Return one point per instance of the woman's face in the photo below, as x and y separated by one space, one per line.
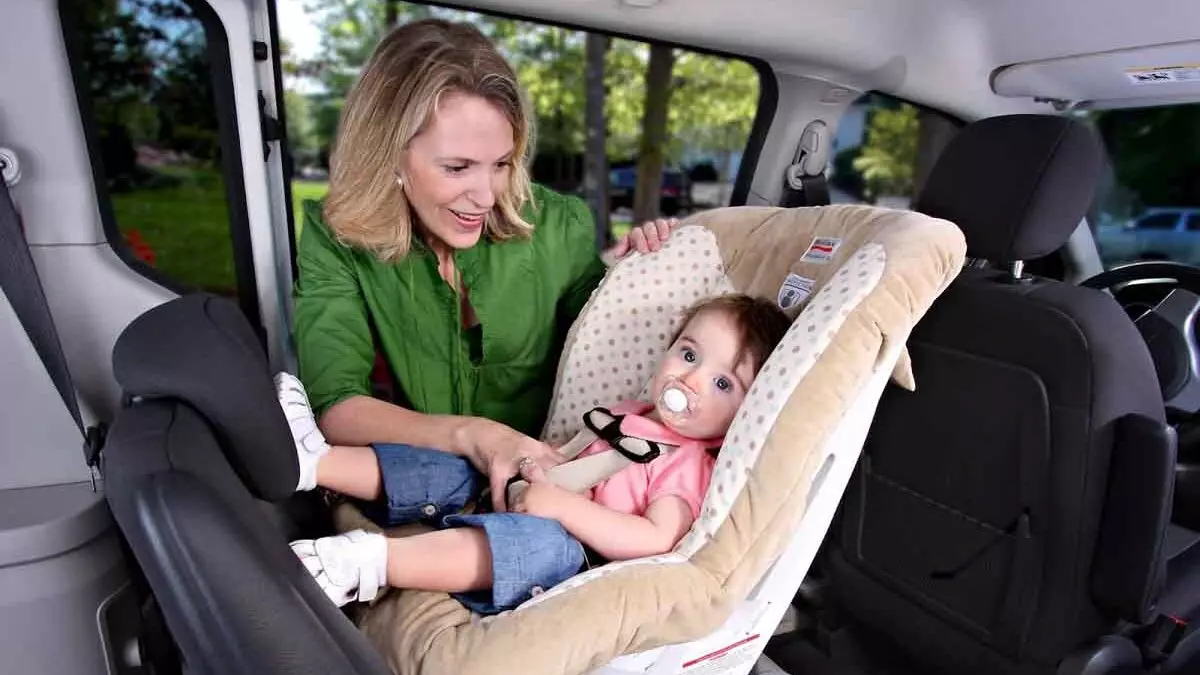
456 167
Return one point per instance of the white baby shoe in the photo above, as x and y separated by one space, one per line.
348 567
310 442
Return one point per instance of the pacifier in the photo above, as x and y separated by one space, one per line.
676 399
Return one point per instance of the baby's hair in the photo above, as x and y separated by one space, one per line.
761 324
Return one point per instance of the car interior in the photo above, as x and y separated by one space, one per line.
1031 507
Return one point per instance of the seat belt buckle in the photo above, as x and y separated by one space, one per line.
794 177
93 444
1165 634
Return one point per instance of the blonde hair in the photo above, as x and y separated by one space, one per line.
393 100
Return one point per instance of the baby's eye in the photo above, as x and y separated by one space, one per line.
724 384
689 355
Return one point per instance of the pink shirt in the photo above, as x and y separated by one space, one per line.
683 473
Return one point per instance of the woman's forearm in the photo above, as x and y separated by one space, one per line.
362 420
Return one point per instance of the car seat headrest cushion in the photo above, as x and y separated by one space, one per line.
1017 185
201 350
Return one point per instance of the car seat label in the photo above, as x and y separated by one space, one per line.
795 290
726 659
1164 75
821 250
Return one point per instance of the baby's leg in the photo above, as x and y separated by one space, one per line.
454 561
514 555
351 471
355 565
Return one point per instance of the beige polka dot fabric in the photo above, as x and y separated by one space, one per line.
626 327
623 299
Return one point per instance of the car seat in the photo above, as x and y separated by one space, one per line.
1012 515
201 450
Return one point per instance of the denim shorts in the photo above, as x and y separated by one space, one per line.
529 554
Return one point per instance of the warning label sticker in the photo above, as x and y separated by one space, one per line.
737 654
821 250
1164 74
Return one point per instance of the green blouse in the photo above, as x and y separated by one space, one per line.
525 292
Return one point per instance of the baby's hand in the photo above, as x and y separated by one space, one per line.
541 497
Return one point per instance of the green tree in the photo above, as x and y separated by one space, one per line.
302 129
1155 153
149 81
889 155
713 100
713 103
184 99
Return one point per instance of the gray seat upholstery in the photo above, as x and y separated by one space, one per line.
1011 514
199 471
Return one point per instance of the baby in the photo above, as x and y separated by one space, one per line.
492 562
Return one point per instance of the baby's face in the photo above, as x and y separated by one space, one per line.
701 382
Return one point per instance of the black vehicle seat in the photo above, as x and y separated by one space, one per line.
1010 515
199 469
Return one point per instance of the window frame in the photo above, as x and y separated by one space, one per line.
217 50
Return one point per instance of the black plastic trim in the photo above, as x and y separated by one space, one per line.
217 45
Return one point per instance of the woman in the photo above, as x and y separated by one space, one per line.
434 250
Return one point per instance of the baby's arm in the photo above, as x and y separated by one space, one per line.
621 536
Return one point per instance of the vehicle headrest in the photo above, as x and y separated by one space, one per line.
1017 185
201 350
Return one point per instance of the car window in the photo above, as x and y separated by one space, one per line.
703 109
883 150
167 172
1151 180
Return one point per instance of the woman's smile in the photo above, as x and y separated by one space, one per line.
467 220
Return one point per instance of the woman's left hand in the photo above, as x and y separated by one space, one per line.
646 238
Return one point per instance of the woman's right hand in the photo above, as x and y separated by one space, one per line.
496 450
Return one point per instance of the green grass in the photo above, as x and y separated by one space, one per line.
185 225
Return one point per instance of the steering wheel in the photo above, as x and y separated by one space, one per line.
1167 328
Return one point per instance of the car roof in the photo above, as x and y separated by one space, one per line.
955 55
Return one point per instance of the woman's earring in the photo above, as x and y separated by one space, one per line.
400 182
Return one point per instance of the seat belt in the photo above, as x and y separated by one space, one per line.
20 282
802 190
577 474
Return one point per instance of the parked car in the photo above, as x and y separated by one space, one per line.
675 195
1161 233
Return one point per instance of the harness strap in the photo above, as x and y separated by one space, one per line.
581 473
